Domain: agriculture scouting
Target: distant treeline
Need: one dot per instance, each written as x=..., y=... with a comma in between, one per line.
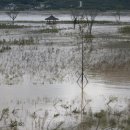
x=67, y=4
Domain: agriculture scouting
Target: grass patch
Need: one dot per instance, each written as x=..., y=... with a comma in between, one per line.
x=4, y=48
x=119, y=44
x=88, y=37
x=29, y=41
x=47, y=31
x=9, y=26
x=125, y=30
x=84, y=21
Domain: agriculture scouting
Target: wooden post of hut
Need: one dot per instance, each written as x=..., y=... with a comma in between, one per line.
x=51, y=20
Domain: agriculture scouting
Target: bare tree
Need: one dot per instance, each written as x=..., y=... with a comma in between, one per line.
x=12, y=12
x=75, y=14
x=118, y=14
x=90, y=16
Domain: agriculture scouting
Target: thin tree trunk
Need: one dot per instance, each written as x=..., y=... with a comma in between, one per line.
x=98, y=124
x=82, y=79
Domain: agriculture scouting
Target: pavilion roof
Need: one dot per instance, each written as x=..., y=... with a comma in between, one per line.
x=51, y=18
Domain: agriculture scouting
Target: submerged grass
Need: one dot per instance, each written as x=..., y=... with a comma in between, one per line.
x=124, y=30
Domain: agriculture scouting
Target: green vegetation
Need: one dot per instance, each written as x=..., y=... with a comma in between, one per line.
x=10, y=26
x=125, y=30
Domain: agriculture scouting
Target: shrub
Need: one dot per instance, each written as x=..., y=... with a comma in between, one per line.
x=4, y=48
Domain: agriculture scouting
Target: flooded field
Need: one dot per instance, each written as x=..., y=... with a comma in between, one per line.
x=63, y=16
x=39, y=73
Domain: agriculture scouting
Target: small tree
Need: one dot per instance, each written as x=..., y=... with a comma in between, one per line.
x=84, y=41
x=12, y=12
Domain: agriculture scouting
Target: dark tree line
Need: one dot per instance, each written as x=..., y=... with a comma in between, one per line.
x=90, y=4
